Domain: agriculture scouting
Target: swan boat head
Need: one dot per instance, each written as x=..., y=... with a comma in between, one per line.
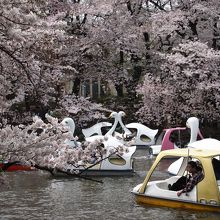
x=193, y=124
x=69, y=122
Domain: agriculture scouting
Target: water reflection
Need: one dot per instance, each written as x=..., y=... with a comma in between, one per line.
x=35, y=195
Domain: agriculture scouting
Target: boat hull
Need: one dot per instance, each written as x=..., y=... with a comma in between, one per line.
x=17, y=167
x=154, y=201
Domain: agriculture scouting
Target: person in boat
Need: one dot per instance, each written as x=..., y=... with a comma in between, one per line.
x=186, y=183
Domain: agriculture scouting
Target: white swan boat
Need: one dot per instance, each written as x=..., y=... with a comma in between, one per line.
x=95, y=129
x=143, y=136
x=113, y=164
x=167, y=139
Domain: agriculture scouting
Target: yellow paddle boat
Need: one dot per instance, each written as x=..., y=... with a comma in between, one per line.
x=204, y=196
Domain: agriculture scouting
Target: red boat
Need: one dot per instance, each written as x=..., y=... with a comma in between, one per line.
x=15, y=166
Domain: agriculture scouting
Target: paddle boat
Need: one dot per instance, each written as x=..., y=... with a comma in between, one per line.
x=96, y=129
x=111, y=164
x=15, y=166
x=174, y=138
x=143, y=136
x=205, y=196
x=140, y=134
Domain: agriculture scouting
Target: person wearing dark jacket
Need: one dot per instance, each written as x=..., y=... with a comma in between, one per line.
x=186, y=183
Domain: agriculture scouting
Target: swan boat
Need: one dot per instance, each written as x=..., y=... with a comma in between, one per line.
x=172, y=138
x=111, y=164
x=95, y=129
x=143, y=136
x=205, y=196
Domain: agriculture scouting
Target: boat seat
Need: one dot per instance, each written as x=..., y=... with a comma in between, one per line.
x=164, y=184
x=160, y=189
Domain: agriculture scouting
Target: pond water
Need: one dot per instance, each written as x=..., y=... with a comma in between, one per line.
x=36, y=195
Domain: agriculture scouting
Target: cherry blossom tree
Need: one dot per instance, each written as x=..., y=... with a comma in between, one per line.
x=188, y=20
x=47, y=43
x=37, y=57
x=186, y=84
x=43, y=146
x=31, y=67
x=183, y=79
x=39, y=49
x=81, y=109
x=107, y=46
